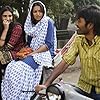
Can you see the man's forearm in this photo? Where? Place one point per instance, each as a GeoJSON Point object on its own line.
{"type": "Point", "coordinates": [56, 72]}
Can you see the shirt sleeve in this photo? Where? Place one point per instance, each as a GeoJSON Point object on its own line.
{"type": "Point", "coordinates": [71, 54]}
{"type": "Point", "coordinates": [15, 35]}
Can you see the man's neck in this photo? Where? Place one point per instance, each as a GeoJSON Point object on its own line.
{"type": "Point", "coordinates": [89, 37]}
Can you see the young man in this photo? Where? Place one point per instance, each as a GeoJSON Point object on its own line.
{"type": "Point", "coordinates": [87, 46]}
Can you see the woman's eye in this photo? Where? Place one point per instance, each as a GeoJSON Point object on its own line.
{"type": "Point", "coordinates": [10, 15]}
{"type": "Point", "coordinates": [7, 15]}
{"type": "Point", "coordinates": [4, 15]}
{"type": "Point", "coordinates": [34, 11]}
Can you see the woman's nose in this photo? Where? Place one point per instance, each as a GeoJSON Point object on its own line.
{"type": "Point", "coordinates": [38, 13]}
{"type": "Point", "coordinates": [7, 17]}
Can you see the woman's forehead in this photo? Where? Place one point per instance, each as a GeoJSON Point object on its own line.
{"type": "Point", "coordinates": [36, 8]}
{"type": "Point", "coordinates": [7, 13]}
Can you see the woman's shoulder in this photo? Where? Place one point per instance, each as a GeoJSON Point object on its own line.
{"type": "Point", "coordinates": [50, 21]}
{"type": "Point", "coordinates": [17, 25]}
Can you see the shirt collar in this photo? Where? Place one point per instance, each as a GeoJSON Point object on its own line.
{"type": "Point", "coordinates": [96, 40]}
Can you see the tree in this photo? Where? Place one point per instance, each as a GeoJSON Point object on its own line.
{"type": "Point", "coordinates": [60, 11]}
{"type": "Point", "coordinates": [78, 4]}
{"type": "Point", "coordinates": [81, 3]}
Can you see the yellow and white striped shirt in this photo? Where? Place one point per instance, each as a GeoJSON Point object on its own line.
{"type": "Point", "coordinates": [90, 62]}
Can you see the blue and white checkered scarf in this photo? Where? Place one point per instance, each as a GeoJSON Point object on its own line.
{"type": "Point", "coordinates": [38, 32]}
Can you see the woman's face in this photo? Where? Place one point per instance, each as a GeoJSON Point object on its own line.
{"type": "Point", "coordinates": [37, 13]}
{"type": "Point", "coordinates": [7, 16]}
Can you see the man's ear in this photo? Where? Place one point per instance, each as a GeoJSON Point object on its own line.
{"type": "Point", "coordinates": [90, 25]}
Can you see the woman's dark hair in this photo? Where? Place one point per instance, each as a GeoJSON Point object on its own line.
{"type": "Point", "coordinates": [6, 8]}
{"type": "Point", "coordinates": [42, 10]}
{"type": "Point", "coordinates": [91, 14]}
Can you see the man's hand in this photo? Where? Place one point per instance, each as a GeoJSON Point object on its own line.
{"type": "Point", "coordinates": [39, 88]}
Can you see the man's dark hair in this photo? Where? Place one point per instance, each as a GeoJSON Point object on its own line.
{"type": "Point", "coordinates": [91, 14]}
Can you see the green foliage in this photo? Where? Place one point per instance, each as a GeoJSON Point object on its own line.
{"type": "Point", "coordinates": [81, 3]}
{"type": "Point", "coordinates": [61, 7]}
{"type": "Point", "coordinates": [57, 9]}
